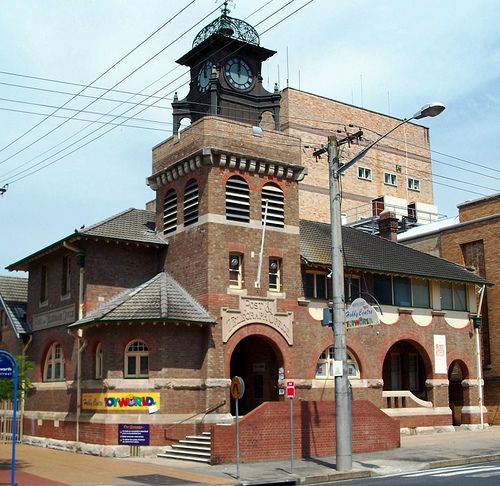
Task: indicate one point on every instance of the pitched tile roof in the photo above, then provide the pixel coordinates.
(159, 299)
(367, 252)
(13, 299)
(134, 225)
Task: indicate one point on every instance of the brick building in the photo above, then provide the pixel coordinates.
(144, 318)
(474, 241)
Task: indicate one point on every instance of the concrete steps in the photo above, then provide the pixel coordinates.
(193, 448)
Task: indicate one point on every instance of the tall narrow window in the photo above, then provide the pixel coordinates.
(191, 195)
(43, 284)
(235, 271)
(237, 200)
(54, 364)
(273, 204)
(66, 276)
(275, 274)
(99, 361)
(170, 212)
(137, 360)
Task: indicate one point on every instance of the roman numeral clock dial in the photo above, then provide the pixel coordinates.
(238, 73)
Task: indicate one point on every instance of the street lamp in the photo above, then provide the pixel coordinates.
(343, 415)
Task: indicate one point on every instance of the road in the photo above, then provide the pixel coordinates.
(482, 474)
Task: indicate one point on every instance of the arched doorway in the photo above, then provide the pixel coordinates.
(404, 369)
(456, 374)
(257, 360)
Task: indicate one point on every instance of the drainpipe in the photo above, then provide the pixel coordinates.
(478, 357)
(78, 334)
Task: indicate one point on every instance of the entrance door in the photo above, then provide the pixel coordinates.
(404, 370)
(255, 360)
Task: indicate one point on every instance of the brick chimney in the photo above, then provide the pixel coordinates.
(388, 225)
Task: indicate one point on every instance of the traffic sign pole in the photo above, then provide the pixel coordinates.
(14, 375)
(291, 435)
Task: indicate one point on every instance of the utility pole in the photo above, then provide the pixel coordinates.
(343, 411)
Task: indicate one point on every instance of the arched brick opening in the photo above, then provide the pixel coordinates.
(406, 367)
(457, 372)
(255, 356)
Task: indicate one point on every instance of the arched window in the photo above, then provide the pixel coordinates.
(98, 362)
(137, 360)
(54, 364)
(273, 200)
(191, 203)
(237, 199)
(170, 212)
(324, 367)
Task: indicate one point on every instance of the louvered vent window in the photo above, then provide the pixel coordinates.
(275, 205)
(237, 200)
(170, 212)
(191, 203)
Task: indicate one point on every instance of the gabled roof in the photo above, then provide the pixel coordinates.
(159, 299)
(366, 252)
(131, 225)
(13, 300)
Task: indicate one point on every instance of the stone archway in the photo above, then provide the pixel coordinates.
(404, 369)
(257, 360)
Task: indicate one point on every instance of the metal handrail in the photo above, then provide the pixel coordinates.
(203, 412)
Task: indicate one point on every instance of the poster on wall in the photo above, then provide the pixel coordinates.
(133, 434)
(440, 365)
(130, 401)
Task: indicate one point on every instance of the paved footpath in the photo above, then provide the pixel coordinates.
(38, 466)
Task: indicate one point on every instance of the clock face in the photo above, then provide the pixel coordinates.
(238, 73)
(203, 78)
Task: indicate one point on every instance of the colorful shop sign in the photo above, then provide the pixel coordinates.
(360, 314)
(123, 402)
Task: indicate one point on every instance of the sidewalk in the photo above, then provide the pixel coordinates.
(47, 467)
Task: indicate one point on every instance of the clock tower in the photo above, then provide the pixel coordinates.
(225, 64)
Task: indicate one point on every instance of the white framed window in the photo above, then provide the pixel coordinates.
(324, 366)
(413, 184)
(235, 270)
(317, 285)
(275, 274)
(453, 296)
(237, 200)
(54, 364)
(273, 195)
(170, 212)
(99, 359)
(137, 360)
(191, 194)
(390, 179)
(364, 173)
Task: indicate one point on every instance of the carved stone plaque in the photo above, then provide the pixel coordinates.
(256, 310)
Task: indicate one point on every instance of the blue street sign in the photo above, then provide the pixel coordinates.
(6, 367)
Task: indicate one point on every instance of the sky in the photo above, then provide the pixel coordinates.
(390, 56)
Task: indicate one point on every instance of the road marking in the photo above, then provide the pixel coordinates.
(453, 471)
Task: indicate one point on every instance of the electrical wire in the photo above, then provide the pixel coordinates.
(91, 83)
(22, 174)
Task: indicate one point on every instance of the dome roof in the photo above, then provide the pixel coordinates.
(229, 27)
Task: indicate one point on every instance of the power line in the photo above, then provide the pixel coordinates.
(95, 80)
(102, 134)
